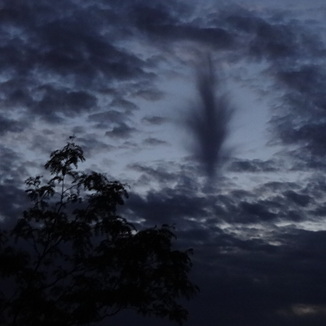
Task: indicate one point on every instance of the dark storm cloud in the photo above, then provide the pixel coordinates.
(113, 120)
(299, 199)
(92, 144)
(15, 93)
(265, 205)
(307, 134)
(7, 125)
(122, 130)
(275, 36)
(294, 51)
(12, 197)
(149, 94)
(71, 103)
(243, 275)
(70, 46)
(55, 41)
(272, 41)
(163, 22)
(320, 211)
(310, 135)
(253, 166)
(208, 122)
(159, 174)
(154, 142)
(305, 103)
(12, 202)
(305, 96)
(167, 206)
(256, 212)
(305, 79)
(119, 112)
(11, 167)
(255, 281)
(155, 120)
(124, 104)
(294, 54)
(108, 117)
(59, 58)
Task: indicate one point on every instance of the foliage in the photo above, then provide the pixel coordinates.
(72, 260)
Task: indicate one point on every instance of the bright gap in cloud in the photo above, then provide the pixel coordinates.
(303, 310)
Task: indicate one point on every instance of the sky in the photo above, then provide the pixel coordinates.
(213, 112)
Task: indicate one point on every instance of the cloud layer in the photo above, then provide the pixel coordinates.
(115, 74)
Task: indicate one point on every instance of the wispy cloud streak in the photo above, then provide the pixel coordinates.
(208, 122)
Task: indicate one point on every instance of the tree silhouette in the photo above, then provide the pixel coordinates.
(72, 260)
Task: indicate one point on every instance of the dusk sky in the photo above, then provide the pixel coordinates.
(213, 112)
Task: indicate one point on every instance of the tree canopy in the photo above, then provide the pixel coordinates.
(71, 259)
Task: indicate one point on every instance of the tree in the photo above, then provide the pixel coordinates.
(72, 260)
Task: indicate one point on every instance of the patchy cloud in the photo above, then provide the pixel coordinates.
(254, 166)
(118, 74)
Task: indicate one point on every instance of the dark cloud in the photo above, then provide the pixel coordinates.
(154, 142)
(12, 202)
(253, 166)
(255, 212)
(152, 18)
(244, 274)
(167, 206)
(92, 144)
(70, 103)
(122, 130)
(277, 37)
(293, 51)
(163, 23)
(125, 104)
(11, 166)
(299, 199)
(67, 46)
(300, 79)
(305, 96)
(160, 174)
(107, 118)
(149, 94)
(267, 205)
(87, 67)
(273, 41)
(12, 198)
(51, 62)
(155, 120)
(7, 125)
(209, 122)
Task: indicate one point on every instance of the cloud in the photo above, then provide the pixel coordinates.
(162, 23)
(253, 166)
(122, 130)
(12, 202)
(299, 199)
(155, 120)
(116, 69)
(149, 94)
(106, 118)
(154, 142)
(52, 63)
(208, 123)
(70, 103)
(124, 104)
(8, 125)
